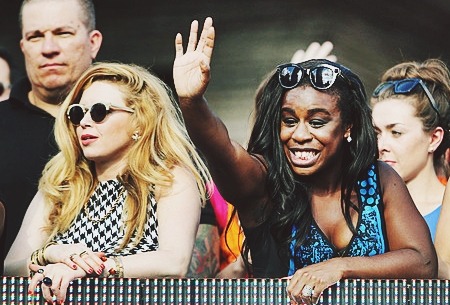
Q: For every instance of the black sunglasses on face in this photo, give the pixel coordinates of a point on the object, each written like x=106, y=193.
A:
x=406, y=86
x=321, y=77
x=76, y=112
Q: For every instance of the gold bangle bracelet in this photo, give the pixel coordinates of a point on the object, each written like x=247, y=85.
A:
x=34, y=260
x=44, y=260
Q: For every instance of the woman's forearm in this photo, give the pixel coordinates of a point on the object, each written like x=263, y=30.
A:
x=156, y=264
x=403, y=263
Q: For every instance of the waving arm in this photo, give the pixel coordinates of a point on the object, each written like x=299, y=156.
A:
x=238, y=175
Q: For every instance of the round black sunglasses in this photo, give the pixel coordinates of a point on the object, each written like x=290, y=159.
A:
x=76, y=112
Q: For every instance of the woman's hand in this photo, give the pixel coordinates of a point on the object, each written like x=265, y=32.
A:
x=307, y=284
x=191, y=71
x=315, y=50
x=76, y=256
x=57, y=279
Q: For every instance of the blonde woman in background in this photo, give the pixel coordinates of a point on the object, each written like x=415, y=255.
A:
x=411, y=114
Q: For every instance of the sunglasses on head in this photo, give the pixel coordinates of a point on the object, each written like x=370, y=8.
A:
x=406, y=86
x=99, y=111
x=321, y=77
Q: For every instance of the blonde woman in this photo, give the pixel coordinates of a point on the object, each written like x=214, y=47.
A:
x=411, y=115
x=123, y=196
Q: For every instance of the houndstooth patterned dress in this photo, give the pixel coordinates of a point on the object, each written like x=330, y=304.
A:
x=107, y=235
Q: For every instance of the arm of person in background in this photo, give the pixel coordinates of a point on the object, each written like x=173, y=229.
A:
x=315, y=50
x=233, y=270
x=410, y=255
x=237, y=173
x=206, y=254
x=442, y=239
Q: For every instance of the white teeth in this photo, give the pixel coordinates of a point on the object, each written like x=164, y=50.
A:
x=304, y=155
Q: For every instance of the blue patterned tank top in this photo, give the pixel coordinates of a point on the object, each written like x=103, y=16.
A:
x=370, y=238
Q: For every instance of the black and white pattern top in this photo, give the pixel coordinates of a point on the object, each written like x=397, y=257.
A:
x=102, y=230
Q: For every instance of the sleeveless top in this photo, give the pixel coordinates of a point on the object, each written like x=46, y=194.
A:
x=432, y=219
x=100, y=224
x=370, y=238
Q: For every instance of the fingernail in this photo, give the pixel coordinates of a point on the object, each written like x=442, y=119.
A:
x=74, y=267
x=99, y=271
x=102, y=266
x=90, y=270
x=104, y=258
x=30, y=292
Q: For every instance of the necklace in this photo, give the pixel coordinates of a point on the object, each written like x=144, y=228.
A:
x=113, y=207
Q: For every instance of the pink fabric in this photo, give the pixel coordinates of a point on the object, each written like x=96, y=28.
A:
x=220, y=207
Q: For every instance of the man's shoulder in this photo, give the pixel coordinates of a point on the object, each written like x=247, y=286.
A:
x=11, y=112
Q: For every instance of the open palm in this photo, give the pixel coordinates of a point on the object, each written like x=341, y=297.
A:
x=191, y=72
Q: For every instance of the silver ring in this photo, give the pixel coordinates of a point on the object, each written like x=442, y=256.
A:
x=307, y=291
x=41, y=271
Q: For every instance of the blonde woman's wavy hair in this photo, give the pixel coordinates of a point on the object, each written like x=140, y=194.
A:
x=69, y=178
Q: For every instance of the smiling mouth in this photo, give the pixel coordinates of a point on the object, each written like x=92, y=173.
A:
x=305, y=155
x=303, y=158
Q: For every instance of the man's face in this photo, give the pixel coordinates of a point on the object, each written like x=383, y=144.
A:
x=56, y=44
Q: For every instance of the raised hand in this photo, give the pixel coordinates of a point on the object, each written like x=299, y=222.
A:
x=315, y=51
x=191, y=70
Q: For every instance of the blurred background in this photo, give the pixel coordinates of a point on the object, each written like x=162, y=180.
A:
x=252, y=37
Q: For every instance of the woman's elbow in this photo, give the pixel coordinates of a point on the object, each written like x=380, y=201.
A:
x=178, y=268
x=429, y=266
x=12, y=268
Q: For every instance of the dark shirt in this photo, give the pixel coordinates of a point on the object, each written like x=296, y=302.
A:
x=27, y=143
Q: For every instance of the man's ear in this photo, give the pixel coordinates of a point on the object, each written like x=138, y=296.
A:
x=96, y=38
